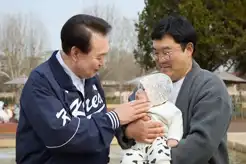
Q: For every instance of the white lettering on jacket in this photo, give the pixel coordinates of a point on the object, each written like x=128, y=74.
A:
x=63, y=115
x=76, y=104
x=75, y=107
x=94, y=102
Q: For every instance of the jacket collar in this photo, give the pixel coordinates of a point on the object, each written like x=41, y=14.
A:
x=60, y=75
x=62, y=78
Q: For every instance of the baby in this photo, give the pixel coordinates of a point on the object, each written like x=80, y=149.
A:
x=156, y=88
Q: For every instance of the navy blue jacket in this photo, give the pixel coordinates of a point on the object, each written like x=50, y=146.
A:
x=58, y=125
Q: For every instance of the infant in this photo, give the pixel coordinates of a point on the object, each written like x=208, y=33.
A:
x=156, y=88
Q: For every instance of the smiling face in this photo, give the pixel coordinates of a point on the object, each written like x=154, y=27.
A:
x=87, y=65
x=171, y=59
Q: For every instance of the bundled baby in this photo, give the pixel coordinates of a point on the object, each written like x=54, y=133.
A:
x=156, y=88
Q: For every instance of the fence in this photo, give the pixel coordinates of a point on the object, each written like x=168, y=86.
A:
x=239, y=107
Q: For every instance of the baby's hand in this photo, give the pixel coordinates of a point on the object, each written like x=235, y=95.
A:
x=172, y=143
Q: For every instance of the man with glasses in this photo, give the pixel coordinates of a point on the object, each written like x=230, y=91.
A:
x=200, y=95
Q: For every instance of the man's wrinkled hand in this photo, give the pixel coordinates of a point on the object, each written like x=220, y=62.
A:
x=132, y=111
x=144, y=131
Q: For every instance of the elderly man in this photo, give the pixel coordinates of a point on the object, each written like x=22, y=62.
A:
x=63, y=116
x=202, y=97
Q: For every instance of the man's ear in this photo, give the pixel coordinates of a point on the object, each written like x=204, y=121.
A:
x=189, y=49
x=75, y=52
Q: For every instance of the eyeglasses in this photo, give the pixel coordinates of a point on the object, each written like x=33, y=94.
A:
x=164, y=55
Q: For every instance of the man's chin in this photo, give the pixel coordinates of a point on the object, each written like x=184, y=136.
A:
x=93, y=74
x=166, y=71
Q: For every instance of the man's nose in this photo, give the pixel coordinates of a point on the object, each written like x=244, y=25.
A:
x=161, y=60
x=102, y=63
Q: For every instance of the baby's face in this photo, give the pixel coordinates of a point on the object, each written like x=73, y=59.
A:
x=141, y=95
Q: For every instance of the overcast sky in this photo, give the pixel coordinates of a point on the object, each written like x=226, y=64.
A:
x=54, y=13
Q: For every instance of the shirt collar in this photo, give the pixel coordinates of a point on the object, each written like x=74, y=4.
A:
x=75, y=78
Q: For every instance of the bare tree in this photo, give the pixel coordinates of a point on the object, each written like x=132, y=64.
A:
x=21, y=42
x=123, y=37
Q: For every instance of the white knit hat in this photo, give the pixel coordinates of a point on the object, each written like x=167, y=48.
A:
x=158, y=87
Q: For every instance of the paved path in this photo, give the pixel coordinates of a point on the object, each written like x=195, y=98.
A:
x=7, y=156
x=115, y=154
x=237, y=141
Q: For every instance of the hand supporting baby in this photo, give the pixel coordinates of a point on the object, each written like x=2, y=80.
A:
x=140, y=94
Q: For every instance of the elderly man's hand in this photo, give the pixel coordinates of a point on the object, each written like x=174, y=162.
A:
x=144, y=130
